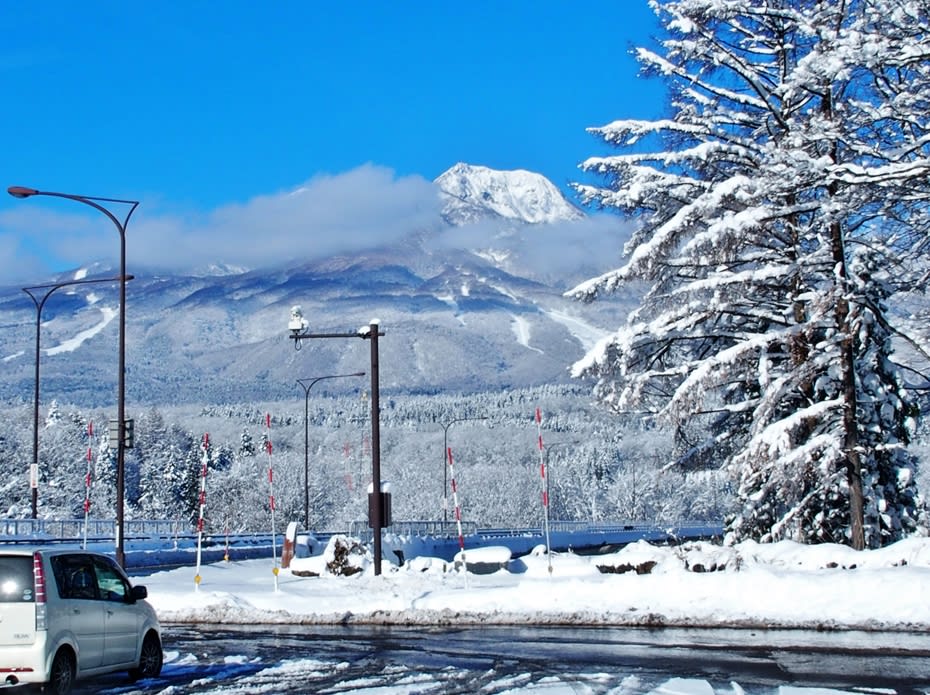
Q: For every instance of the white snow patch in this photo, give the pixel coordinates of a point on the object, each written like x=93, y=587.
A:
x=448, y=299
x=504, y=291
x=583, y=332
x=74, y=343
x=494, y=554
x=521, y=329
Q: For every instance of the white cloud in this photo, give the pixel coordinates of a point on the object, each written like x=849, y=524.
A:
x=569, y=250
x=328, y=214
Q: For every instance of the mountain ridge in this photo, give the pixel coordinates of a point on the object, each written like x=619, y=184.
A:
x=459, y=313
x=473, y=193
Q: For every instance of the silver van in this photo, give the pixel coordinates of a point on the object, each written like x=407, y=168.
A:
x=67, y=614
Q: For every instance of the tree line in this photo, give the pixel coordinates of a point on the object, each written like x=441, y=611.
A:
x=598, y=470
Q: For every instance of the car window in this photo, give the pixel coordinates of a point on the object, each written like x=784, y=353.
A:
x=74, y=575
x=16, y=579
x=111, y=584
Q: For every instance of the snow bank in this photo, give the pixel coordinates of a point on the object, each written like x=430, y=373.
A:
x=780, y=585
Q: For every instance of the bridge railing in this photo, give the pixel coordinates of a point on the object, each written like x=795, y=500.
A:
x=23, y=530
x=449, y=529
x=421, y=529
x=72, y=529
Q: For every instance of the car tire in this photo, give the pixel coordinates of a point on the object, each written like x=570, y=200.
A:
x=150, y=659
x=61, y=678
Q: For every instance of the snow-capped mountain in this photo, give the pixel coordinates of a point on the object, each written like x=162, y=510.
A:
x=472, y=193
x=456, y=317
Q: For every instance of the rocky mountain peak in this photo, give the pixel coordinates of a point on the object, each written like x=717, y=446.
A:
x=472, y=193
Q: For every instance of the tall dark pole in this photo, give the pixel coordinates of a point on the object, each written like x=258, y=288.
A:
x=297, y=326
x=95, y=202
x=307, y=386
x=306, y=454
x=40, y=304
x=445, y=467
x=377, y=510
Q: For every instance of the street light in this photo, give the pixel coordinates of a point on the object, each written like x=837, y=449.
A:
x=40, y=304
x=297, y=325
x=95, y=202
x=307, y=386
x=445, y=468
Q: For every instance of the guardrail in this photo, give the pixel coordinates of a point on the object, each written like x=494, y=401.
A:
x=73, y=529
x=420, y=529
x=24, y=530
x=176, y=543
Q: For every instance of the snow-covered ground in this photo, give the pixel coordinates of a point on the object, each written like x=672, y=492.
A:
x=784, y=585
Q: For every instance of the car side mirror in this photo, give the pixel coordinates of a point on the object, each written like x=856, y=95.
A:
x=138, y=593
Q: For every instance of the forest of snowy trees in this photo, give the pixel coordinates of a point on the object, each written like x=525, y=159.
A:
x=600, y=469
x=783, y=200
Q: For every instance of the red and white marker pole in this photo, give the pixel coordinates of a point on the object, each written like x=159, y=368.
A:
x=88, y=478
x=347, y=466
x=458, y=513
x=274, y=547
x=205, y=445
x=545, y=492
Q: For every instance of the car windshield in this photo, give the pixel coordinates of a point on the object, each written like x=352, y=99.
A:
x=16, y=579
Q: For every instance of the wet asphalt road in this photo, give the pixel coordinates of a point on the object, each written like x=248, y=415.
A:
x=357, y=659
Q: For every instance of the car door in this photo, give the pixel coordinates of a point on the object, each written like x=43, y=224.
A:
x=77, y=591
x=121, y=617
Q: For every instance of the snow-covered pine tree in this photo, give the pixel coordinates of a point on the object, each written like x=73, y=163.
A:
x=103, y=489
x=150, y=441
x=246, y=444
x=62, y=465
x=170, y=469
x=797, y=139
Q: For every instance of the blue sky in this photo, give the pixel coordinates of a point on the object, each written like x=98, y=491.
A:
x=209, y=113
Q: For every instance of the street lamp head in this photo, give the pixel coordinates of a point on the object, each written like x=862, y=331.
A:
x=21, y=191
x=297, y=323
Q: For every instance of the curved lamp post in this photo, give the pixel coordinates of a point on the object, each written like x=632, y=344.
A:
x=40, y=304
x=96, y=203
x=445, y=468
x=307, y=384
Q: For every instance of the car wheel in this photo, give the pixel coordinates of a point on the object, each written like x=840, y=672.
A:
x=61, y=679
x=150, y=659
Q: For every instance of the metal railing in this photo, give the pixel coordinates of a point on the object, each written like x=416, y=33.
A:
x=72, y=529
x=23, y=530
x=420, y=529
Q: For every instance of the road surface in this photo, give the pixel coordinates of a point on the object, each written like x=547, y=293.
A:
x=383, y=660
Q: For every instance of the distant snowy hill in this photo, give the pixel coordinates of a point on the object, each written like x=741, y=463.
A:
x=459, y=314
x=473, y=193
